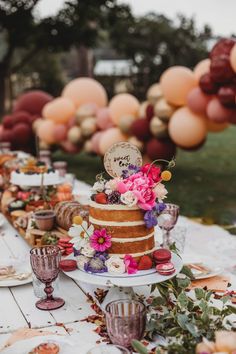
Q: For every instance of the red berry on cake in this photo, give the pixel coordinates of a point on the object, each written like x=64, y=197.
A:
x=101, y=198
x=145, y=263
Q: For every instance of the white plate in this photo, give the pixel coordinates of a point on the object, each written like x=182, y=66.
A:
x=20, y=268
x=140, y=273
x=213, y=271
x=2, y=220
x=26, y=345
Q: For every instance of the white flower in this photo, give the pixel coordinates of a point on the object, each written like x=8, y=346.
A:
x=88, y=251
x=99, y=186
x=81, y=260
x=160, y=191
x=111, y=185
x=80, y=234
x=128, y=198
x=115, y=265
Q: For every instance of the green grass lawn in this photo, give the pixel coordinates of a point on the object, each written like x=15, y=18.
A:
x=203, y=183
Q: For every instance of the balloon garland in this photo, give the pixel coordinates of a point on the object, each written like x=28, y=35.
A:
x=179, y=111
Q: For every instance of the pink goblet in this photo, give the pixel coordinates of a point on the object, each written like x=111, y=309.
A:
x=167, y=220
x=45, y=265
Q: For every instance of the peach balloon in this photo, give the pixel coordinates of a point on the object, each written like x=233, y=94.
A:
x=154, y=93
x=110, y=137
x=95, y=141
x=123, y=104
x=216, y=127
x=232, y=58
x=59, y=110
x=197, y=101
x=202, y=68
x=45, y=131
x=186, y=128
x=85, y=90
x=217, y=112
x=176, y=82
x=103, y=119
x=60, y=132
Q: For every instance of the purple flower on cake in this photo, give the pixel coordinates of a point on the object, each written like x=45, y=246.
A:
x=160, y=191
x=150, y=218
x=159, y=207
x=100, y=240
x=129, y=199
x=131, y=265
x=132, y=169
x=96, y=265
x=152, y=172
x=115, y=265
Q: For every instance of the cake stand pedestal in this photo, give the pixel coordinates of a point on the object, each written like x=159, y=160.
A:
x=119, y=287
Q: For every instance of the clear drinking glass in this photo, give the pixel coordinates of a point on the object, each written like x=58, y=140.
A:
x=125, y=321
x=178, y=236
x=45, y=265
x=108, y=349
x=167, y=220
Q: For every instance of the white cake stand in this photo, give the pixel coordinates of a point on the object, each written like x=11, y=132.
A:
x=122, y=287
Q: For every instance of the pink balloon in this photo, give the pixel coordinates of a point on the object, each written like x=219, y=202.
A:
x=232, y=58
x=60, y=132
x=59, y=110
x=176, y=82
x=95, y=141
x=69, y=147
x=109, y=137
x=217, y=112
x=201, y=68
x=71, y=122
x=197, y=101
x=123, y=104
x=45, y=131
x=85, y=90
x=103, y=119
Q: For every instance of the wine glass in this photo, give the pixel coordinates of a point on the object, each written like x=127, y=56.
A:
x=125, y=321
x=45, y=264
x=167, y=220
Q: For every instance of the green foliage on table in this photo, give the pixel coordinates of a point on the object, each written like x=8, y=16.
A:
x=183, y=318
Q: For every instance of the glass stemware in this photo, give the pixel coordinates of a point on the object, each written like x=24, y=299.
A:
x=125, y=321
x=45, y=265
x=167, y=220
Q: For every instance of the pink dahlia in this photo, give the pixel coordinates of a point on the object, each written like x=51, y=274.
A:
x=131, y=265
x=152, y=172
x=100, y=240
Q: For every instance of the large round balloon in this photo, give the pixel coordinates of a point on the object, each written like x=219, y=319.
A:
x=223, y=46
x=216, y=127
x=60, y=132
x=45, y=131
x=22, y=134
x=186, y=128
x=141, y=129
x=232, y=58
x=221, y=70
x=176, y=83
x=202, y=68
x=217, y=112
x=197, y=101
x=110, y=137
x=123, y=104
x=59, y=110
x=103, y=119
x=85, y=90
x=32, y=102
x=160, y=149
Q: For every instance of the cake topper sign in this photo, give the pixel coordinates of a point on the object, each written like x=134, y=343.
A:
x=120, y=156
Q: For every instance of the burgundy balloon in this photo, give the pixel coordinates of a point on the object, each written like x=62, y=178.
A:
x=232, y=119
x=226, y=95
x=21, y=134
x=223, y=46
x=32, y=101
x=217, y=112
x=221, y=70
x=160, y=149
x=141, y=129
x=7, y=135
x=21, y=117
x=207, y=85
x=149, y=112
x=8, y=122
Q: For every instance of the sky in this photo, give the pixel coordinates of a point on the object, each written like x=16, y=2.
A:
x=219, y=14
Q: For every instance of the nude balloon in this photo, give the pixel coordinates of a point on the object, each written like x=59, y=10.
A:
x=60, y=132
x=59, y=110
x=85, y=90
x=176, y=82
x=217, y=112
x=110, y=137
x=197, y=101
x=45, y=131
x=104, y=119
x=123, y=104
x=232, y=58
x=186, y=128
x=95, y=141
x=202, y=68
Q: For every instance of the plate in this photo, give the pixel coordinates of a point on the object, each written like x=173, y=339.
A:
x=210, y=271
x=139, y=273
x=26, y=345
x=2, y=220
x=20, y=268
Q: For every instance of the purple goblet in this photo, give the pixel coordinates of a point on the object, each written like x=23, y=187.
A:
x=125, y=321
x=167, y=220
x=45, y=265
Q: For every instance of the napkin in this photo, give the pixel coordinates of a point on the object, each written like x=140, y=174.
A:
x=25, y=333
x=218, y=283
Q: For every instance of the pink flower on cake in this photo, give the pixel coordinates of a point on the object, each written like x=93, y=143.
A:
x=112, y=185
x=160, y=191
x=146, y=198
x=100, y=240
x=152, y=172
x=130, y=264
